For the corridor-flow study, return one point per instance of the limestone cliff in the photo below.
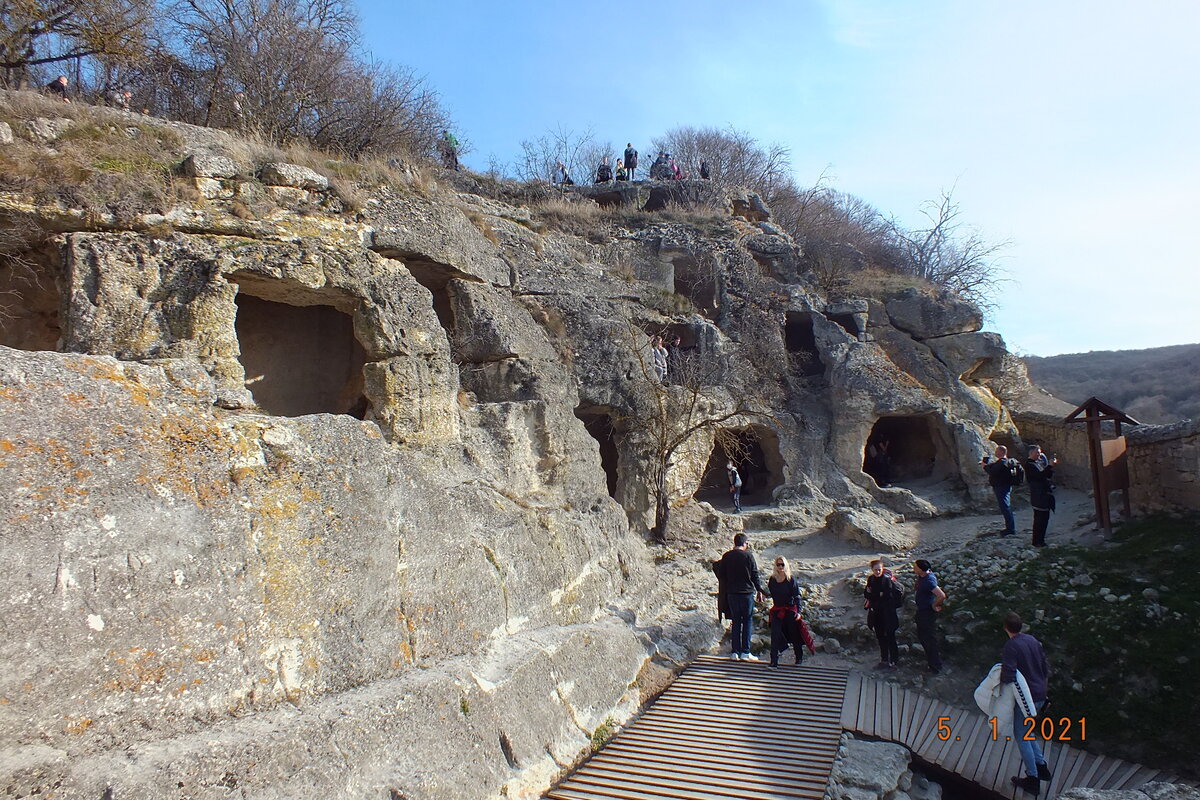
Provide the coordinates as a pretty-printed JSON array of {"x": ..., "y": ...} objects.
[{"x": 311, "y": 489}]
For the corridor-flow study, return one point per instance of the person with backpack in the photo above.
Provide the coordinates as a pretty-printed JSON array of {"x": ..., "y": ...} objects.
[
  {"x": 735, "y": 486},
  {"x": 631, "y": 159},
  {"x": 883, "y": 598},
  {"x": 1039, "y": 470},
  {"x": 604, "y": 172},
  {"x": 1003, "y": 474}
]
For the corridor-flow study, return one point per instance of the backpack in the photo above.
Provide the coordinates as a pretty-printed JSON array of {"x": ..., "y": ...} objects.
[{"x": 1016, "y": 472}]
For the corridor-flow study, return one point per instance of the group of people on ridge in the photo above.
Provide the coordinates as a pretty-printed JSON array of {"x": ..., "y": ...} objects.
[
  {"x": 664, "y": 168},
  {"x": 1004, "y": 473}
]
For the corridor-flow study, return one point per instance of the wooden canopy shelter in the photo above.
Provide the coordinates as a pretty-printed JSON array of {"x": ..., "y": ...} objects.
[{"x": 1110, "y": 469}]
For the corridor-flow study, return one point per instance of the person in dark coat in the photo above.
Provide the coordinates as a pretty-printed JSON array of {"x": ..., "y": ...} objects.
[
  {"x": 787, "y": 627},
  {"x": 883, "y": 598},
  {"x": 58, "y": 88},
  {"x": 1039, "y": 472},
  {"x": 1001, "y": 472},
  {"x": 631, "y": 159},
  {"x": 738, "y": 585},
  {"x": 930, "y": 600}
]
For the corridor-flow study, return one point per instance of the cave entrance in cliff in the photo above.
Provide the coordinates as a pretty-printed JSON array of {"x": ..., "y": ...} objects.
[
  {"x": 754, "y": 450},
  {"x": 436, "y": 278},
  {"x": 848, "y": 323},
  {"x": 801, "y": 344},
  {"x": 695, "y": 280},
  {"x": 300, "y": 355},
  {"x": 598, "y": 422},
  {"x": 30, "y": 300},
  {"x": 907, "y": 450}
]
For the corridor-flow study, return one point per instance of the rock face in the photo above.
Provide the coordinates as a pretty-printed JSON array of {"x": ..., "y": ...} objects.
[
  {"x": 302, "y": 500},
  {"x": 867, "y": 770}
]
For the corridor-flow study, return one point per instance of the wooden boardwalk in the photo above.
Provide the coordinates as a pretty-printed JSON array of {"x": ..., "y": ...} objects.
[
  {"x": 728, "y": 729},
  {"x": 887, "y": 711},
  {"x": 724, "y": 729}
]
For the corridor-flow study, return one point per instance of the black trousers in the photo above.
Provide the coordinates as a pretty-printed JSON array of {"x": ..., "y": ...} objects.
[
  {"x": 927, "y": 635},
  {"x": 889, "y": 652},
  {"x": 1041, "y": 521}
]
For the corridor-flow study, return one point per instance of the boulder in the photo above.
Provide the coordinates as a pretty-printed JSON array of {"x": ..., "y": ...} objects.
[
  {"x": 874, "y": 767},
  {"x": 870, "y": 529},
  {"x": 972, "y": 356},
  {"x": 293, "y": 175},
  {"x": 6, "y": 133},
  {"x": 45, "y": 131},
  {"x": 925, "y": 316},
  {"x": 205, "y": 165}
]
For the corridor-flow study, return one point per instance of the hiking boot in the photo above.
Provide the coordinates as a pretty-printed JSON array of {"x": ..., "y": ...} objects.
[
  {"x": 1027, "y": 783},
  {"x": 1044, "y": 773}
]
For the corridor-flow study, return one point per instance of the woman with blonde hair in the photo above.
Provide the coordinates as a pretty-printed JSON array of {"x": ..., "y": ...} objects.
[{"x": 787, "y": 628}]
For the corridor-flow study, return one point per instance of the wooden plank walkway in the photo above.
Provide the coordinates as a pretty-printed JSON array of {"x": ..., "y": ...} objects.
[
  {"x": 729, "y": 729},
  {"x": 886, "y": 711},
  {"x": 724, "y": 729}
]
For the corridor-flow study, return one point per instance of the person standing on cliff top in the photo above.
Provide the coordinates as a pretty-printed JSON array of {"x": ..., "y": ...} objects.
[
  {"x": 1039, "y": 471},
  {"x": 738, "y": 584},
  {"x": 631, "y": 158},
  {"x": 1002, "y": 473}
]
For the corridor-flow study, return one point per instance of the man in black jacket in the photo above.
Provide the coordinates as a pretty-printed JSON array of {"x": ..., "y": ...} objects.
[
  {"x": 1039, "y": 471},
  {"x": 738, "y": 585},
  {"x": 1001, "y": 472},
  {"x": 631, "y": 159},
  {"x": 883, "y": 597}
]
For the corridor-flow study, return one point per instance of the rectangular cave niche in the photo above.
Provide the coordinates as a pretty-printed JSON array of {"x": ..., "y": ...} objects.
[
  {"x": 300, "y": 359},
  {"x": 30, "y": 303},
  {"x": 801, "y": 344}
]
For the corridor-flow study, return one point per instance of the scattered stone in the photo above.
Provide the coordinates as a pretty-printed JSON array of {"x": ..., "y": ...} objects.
[
  {"x": 832, "y": 646},
  {"x": 6, "y": 134},
  {"x": 293, "y": 175},
  {"x": 1104, "y": 591},
  {"x": 203, "y": 165},
  {"x": 1110, "y": 598},
  {"x": 45, "y": 131}
]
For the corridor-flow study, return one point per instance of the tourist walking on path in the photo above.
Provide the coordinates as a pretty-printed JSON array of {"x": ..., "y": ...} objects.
[
  {"x": 1003, "y": 474},
  {"x": 738, "y": 585},
  {"x": 930, "y": 600},
  {"x": 787, "y": 628},
  {"x": 883, "y": 600},
  {"x": 631, "y": 158},
  {"x": 735, "y": 486},
  {"x": 1024, "y": 654},
  {"x": 1039, "y": 471}
]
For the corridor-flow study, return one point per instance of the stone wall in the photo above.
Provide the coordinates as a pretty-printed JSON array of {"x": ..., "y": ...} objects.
[
  {"x": 1067, "y": 441},
  {"x": 1164, "y": 466}
]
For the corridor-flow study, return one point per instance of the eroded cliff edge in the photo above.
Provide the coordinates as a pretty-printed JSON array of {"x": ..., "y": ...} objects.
[{"x": 316, "y": 490}]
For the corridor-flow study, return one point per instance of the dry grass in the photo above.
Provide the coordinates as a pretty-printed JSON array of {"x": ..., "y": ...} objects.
[
  {"x": 879, "y": 284},
  {"x": 480, "y": 222}
]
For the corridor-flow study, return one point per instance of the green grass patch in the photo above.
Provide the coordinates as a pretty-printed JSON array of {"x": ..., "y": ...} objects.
[
  {"x": 1128, "y": 665},
  {"x": 603, "y": 733}
]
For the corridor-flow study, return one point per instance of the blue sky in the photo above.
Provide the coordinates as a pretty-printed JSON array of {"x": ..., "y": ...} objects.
[{"x": 1068, "y": 128}]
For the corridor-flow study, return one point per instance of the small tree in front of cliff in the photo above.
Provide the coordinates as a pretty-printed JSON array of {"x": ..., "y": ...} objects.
[{"x": 669, "y": 414}]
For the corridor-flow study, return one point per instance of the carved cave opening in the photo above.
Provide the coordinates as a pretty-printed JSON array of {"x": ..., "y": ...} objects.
[
  {"x": 919, "y": 449},
  {"x": 599, "y": 425},
  {"x": 754, "y": 450},
  {"x": 695, "y": 281},
  {"x": 848, "y": 322},
  {"x": 30, "y": 301},
  {"x": 436, "y": 278},
  {"x": 300, "y": 359},
  {"x": 801, "y": 344}
]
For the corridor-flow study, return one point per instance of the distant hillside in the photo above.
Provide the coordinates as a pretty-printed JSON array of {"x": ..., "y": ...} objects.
[{"x": 1158, "y": 385}]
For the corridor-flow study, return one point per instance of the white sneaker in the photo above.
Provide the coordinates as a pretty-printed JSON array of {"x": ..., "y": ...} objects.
[
  {"x": 736, "y": 656},
  {"x": 749, "y": 657}
]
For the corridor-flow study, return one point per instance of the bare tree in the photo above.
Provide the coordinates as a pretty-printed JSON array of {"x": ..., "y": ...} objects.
[
  {"x": 577, "y": 150},
  {"x": 670, "y": 414},
  {"x": 37, "y": 33},
  {"x": 950, "y": 254},
  {"x": 734, "y": 157}
]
